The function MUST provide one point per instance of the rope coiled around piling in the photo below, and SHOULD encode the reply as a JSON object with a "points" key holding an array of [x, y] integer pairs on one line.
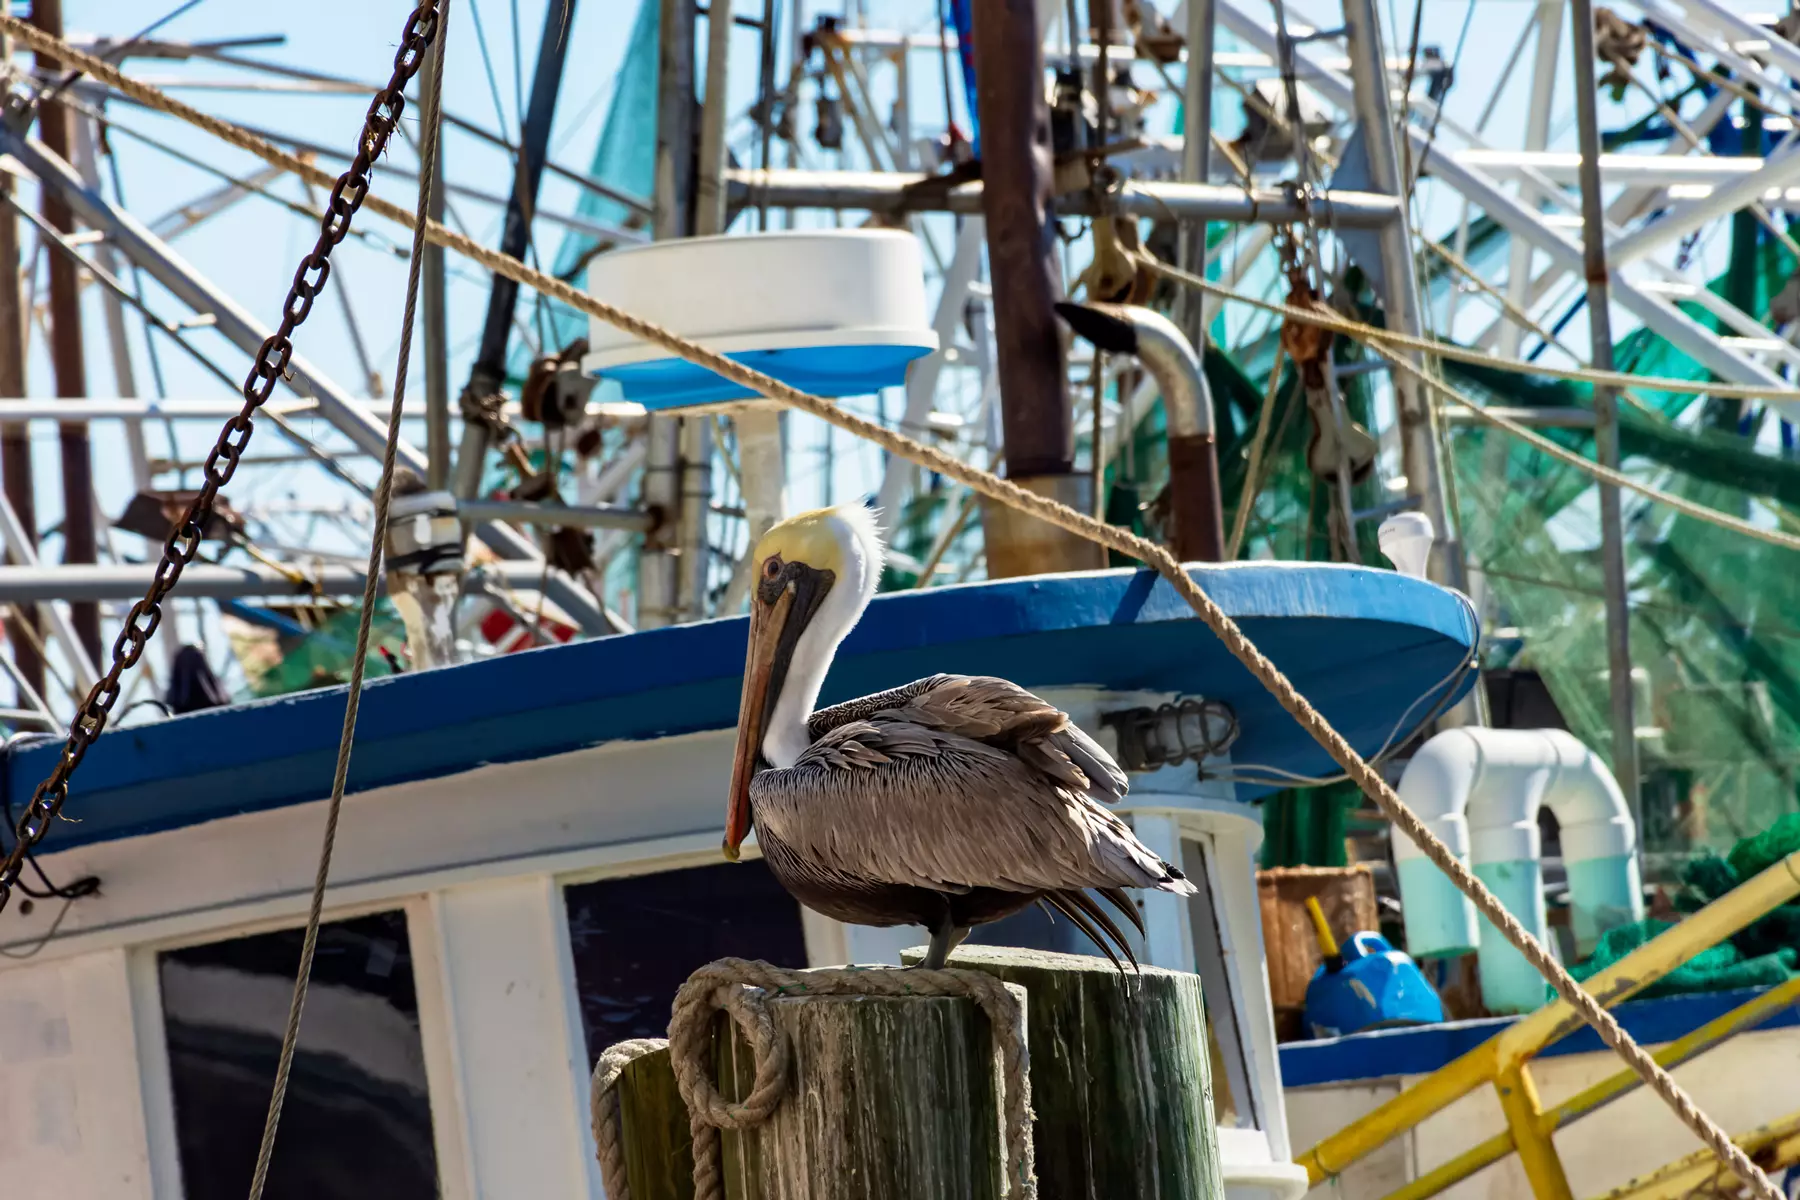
{"points": [[742, 989]]}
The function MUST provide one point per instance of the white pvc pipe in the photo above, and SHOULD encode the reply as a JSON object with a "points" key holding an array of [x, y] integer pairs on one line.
{"points": [[1480, 790]]}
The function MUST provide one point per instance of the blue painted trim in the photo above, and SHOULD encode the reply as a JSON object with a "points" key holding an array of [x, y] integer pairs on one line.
{"points": [[833, 371], [1385, 1053], [1361, 644]]}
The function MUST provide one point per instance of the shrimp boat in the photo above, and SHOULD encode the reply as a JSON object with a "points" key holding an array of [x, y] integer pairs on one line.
{"points": [[899, 252]]}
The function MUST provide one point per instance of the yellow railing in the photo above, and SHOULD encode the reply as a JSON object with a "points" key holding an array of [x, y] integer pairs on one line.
{"points": [[1501, 1061]]}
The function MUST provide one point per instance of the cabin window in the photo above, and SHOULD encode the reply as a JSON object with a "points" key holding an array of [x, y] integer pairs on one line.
{"points": [[1233, 1100], [356, 1124], [637, 939]]}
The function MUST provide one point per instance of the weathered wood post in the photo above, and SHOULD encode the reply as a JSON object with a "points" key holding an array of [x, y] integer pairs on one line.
{"points": [[889, 1098], [1121, 1081], [892, 1099], [896, 1097]]}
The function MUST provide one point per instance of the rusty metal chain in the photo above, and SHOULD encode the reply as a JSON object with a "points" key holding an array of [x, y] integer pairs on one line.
{"points": [[268, 369]]}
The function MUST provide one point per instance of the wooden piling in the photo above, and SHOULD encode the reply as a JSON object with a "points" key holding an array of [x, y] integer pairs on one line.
{"points": [[891, 1098], [894, 1098], [659, 1151], [897, 1098], [1121, 1081]]}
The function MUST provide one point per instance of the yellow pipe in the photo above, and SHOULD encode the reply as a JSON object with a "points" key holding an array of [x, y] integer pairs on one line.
{"points": [[1457, 1169], [1524, 1118], [1772, 1147], [1689, 1045], [1447, 1084], [1731, 912], [1700, 1040], [1328, 945], [1644, 966]]}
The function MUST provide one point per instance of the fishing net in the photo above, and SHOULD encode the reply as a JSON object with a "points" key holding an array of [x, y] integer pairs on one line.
{"points": [[281, 656], [1761, 954], [1713, 636], [1718, 968]]}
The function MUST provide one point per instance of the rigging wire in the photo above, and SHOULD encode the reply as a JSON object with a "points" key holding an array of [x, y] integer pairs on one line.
{"points": [[487, 66], [371, 589]]}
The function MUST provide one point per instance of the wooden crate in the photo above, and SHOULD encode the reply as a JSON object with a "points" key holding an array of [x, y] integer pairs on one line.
{"points": [[1347, 894]]}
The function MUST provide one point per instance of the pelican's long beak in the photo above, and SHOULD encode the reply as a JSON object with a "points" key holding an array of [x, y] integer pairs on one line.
{"points": [[765, 666]]}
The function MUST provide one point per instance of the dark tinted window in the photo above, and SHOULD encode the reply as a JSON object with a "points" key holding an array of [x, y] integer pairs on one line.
{"points": [[357, 1122], [636, 940]]}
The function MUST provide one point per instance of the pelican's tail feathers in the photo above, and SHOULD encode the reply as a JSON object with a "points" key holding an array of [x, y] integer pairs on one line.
{"points": [[1098, 915], [1061, 903], [1124, 903], [1174, 881]]}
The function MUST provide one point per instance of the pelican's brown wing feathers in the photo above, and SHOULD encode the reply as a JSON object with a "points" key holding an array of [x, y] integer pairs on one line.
{"points": [[995, 712], [904, 803]]}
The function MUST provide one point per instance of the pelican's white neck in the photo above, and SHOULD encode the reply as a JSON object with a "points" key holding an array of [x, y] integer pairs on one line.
{"points": [[784, 736]]}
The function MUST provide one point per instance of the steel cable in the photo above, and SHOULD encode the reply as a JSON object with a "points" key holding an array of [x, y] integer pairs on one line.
{"points": [[438, 11]]}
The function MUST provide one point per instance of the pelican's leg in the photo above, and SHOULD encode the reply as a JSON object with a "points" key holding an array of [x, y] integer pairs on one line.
{"points": [[945, 938]]}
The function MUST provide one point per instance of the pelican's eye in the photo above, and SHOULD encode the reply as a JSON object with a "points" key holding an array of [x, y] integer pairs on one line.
{"points": [[772, 567]]}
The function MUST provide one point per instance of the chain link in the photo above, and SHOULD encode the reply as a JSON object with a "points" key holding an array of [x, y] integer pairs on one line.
{"points": [[270, 365]]}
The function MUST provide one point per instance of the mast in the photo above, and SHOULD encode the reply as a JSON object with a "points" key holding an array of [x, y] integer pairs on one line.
{"points": [[66, 354], [1017, 202]]}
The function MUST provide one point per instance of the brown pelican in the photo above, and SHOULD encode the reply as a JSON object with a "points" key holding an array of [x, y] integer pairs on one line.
{"points": [[948, 803]]}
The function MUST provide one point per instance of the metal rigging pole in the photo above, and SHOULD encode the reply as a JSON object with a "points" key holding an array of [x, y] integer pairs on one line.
{"points": [[1606, 416], [1196, 154], [15, 440], [434, 307], [489, 372], [659, 590], [66, 356]]}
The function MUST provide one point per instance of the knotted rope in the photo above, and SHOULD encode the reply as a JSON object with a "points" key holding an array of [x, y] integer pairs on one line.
{"points": [[742, 989]]}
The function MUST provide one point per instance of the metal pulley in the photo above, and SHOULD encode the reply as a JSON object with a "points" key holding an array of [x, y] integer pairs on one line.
{"points": [[1117, 274], [1268, 129], [556, 392], [1336, 442], [1618, 43]]}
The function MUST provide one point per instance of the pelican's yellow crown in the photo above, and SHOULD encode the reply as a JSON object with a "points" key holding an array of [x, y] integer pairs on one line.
{"points": [[818, 538]]}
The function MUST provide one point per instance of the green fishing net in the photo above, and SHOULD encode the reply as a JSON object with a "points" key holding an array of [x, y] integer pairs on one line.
{"points": [[1720, 968], [1761, 954]]}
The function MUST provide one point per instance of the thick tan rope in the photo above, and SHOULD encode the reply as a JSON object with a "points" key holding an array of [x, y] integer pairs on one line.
{"points": [[1604, 474], [1082, 525], [1481, 358], [743, 988], [603, 1108], [1380, 342]]}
